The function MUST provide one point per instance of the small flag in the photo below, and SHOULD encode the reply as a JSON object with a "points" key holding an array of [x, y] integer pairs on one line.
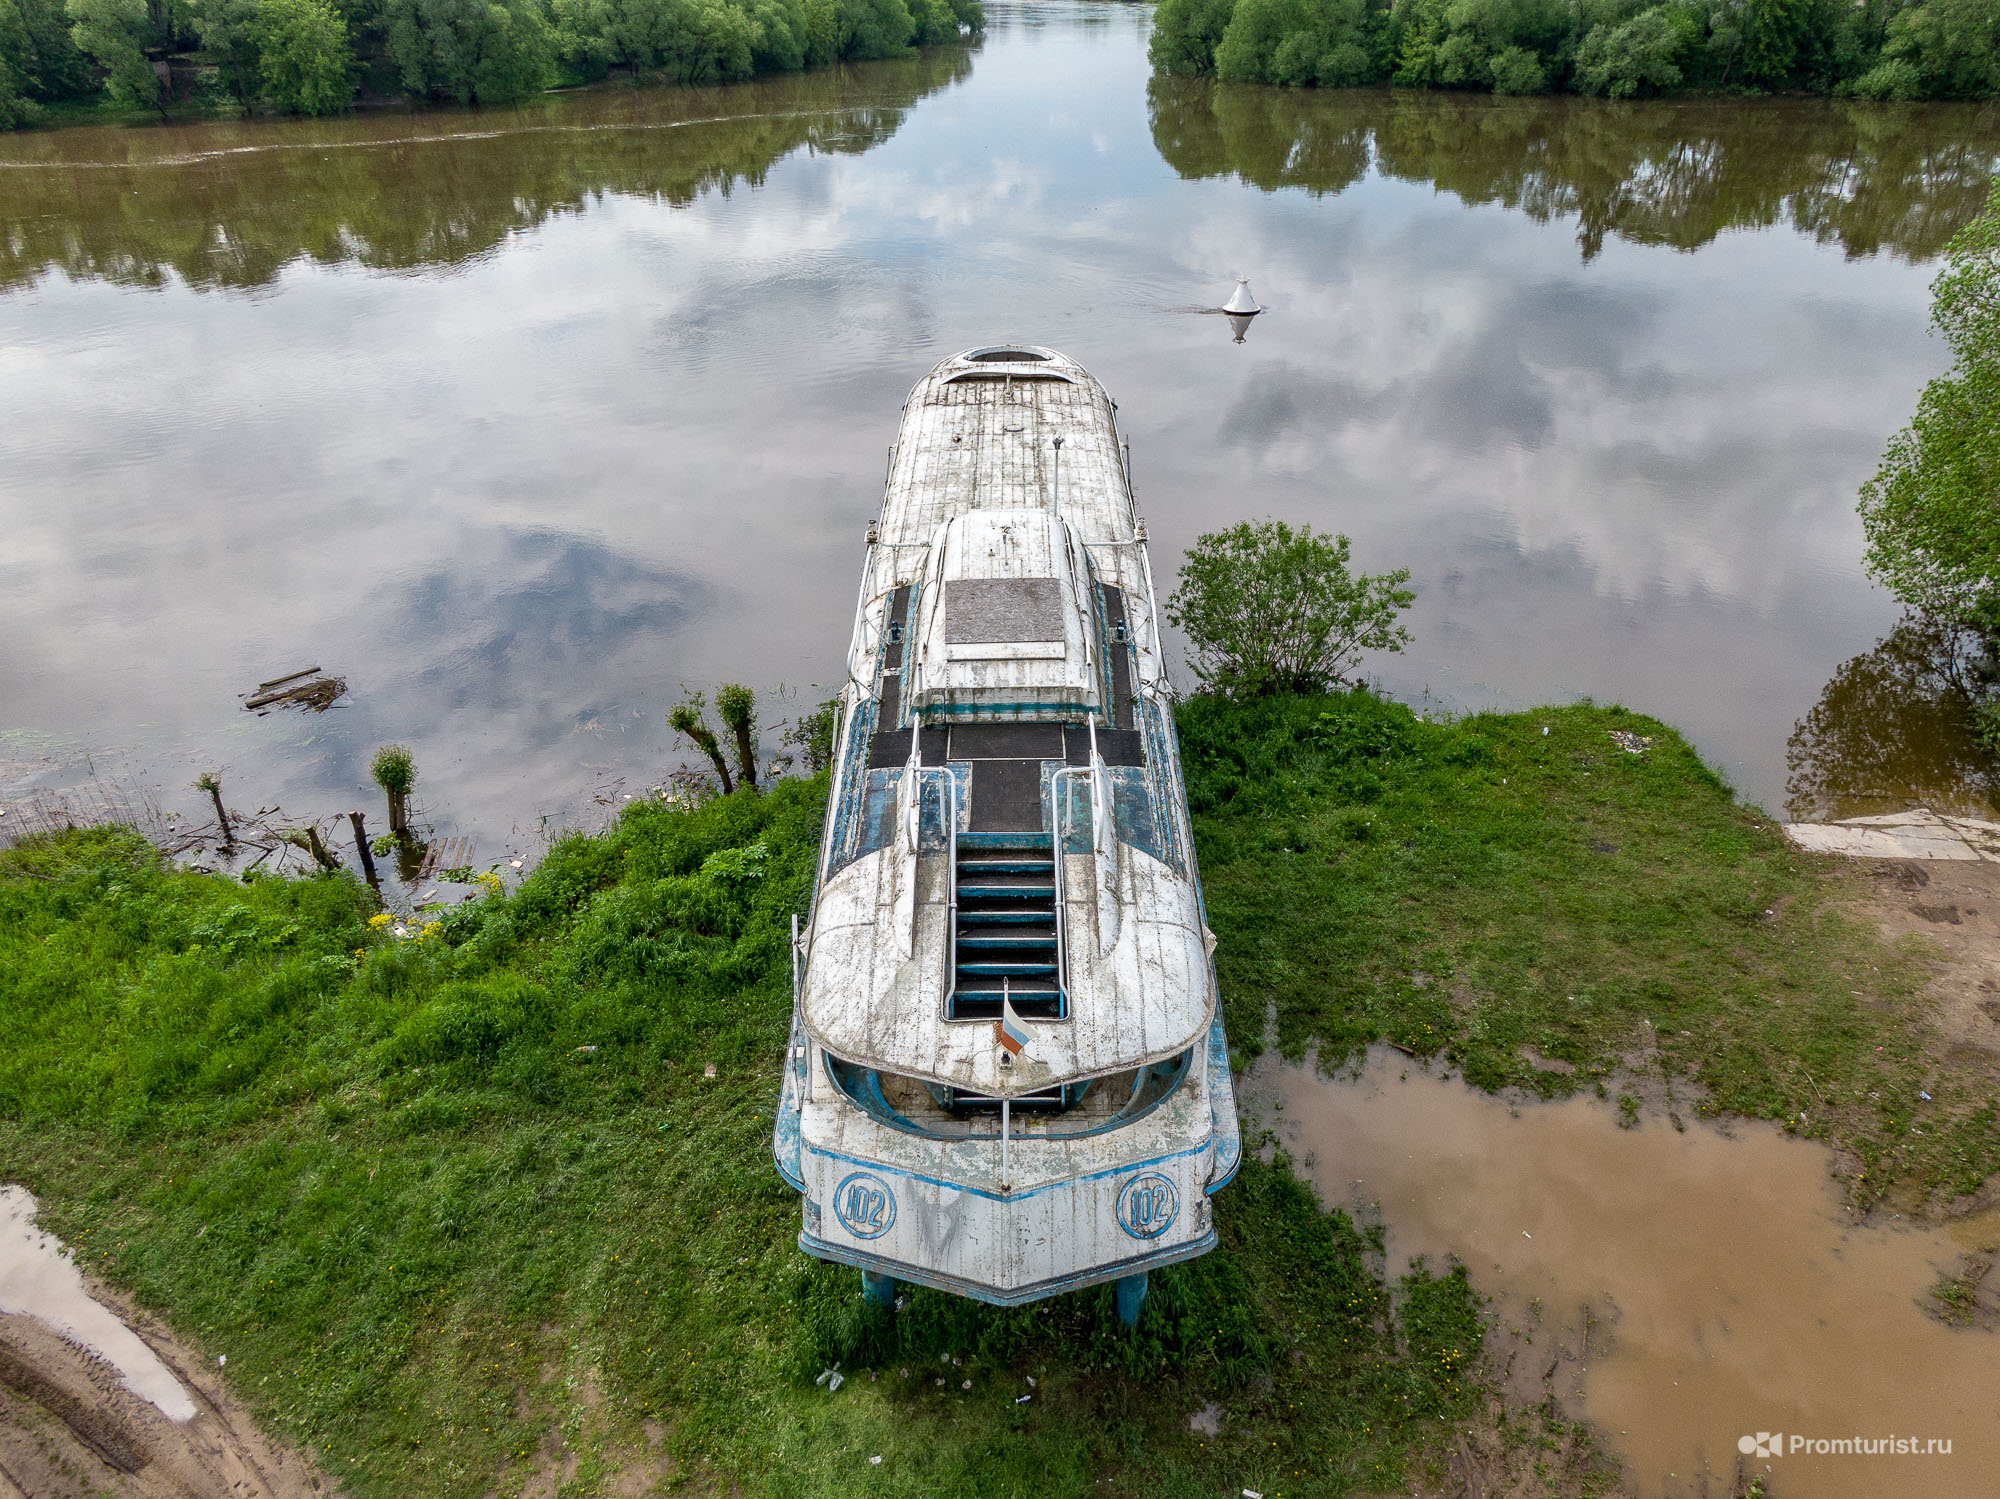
{"points": [[1011, 1031]]}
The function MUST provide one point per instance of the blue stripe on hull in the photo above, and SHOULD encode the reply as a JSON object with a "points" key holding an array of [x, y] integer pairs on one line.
{"points": [[958, 1186]]}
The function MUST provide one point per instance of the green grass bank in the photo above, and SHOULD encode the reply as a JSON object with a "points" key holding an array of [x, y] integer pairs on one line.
{"points": [[1569, 886], [466, 1215]]}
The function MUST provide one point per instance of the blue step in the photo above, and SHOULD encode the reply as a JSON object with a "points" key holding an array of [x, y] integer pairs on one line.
{"points": [[1004, 918], [970, 939], [1010, 970], [1047, 892], [1022, 841]]}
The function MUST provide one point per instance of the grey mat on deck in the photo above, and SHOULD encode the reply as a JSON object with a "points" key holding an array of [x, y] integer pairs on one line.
{"points": [[1006, 796], [1006, 741]]}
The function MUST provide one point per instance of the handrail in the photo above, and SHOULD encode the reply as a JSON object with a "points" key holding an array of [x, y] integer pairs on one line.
{"points": [[913, 791], [916, 773], [857, 642], [861, 603], [950, 885], [1060, 793]]}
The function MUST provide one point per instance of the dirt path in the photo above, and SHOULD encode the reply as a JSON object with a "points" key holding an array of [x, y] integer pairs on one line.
{"points": [[1955, 904], [74, 1424]]}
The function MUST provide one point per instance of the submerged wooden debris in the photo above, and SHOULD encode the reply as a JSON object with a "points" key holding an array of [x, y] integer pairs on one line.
{"points": [[444, 855], [308, 689]]}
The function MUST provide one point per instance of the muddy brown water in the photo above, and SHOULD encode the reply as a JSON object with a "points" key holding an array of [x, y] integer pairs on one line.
{"points": [[519, 420], [1679, 1290]]}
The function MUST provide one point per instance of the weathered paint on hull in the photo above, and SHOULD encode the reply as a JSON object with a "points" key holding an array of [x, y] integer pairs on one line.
{"points": [[1006, 735]]}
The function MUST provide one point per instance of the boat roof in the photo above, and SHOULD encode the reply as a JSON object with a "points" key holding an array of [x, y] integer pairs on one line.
{"points": [[1004, 572]]}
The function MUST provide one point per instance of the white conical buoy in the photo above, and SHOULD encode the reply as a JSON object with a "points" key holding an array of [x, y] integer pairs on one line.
{"points": [[1241, 302]]}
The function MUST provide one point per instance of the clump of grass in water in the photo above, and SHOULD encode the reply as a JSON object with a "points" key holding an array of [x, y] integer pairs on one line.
{"points": [[737, 707], [394, 769]]}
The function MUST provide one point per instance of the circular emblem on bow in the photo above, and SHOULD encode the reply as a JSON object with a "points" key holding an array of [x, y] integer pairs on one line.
{"points": [[1148, 1205], [864, 1205]]}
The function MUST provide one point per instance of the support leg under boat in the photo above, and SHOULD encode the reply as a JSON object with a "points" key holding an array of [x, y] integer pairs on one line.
{"points": [[878, 1290], [1131, 1296]]}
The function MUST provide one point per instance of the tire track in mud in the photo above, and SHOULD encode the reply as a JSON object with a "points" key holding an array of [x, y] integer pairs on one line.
{"points": [[76, 1423]]}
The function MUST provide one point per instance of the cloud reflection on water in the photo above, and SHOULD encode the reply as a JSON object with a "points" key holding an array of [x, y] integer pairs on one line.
{"points": [[547, 422]]}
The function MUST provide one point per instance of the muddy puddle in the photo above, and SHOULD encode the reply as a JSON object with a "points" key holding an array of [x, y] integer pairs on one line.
{"points": [[1680, 1291], [97, 1399]]}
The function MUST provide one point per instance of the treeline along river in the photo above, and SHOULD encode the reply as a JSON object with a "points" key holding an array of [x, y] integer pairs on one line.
{"points": [[521, 419]]}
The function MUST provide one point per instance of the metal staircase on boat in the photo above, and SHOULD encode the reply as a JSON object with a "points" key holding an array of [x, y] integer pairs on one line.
{"points": [[1004, 930]]}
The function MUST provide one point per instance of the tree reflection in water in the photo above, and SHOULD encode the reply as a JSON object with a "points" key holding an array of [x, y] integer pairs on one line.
{"points": [[1869, 177], [230, 205], [1894, 729]]}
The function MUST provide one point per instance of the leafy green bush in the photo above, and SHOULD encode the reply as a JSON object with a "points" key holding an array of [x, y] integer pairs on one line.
{"points": [[472, 51], [1516, 70], [114, 34], [305, 66], [1943, 49], [1322, 42], [1269, 610], [1186, 34], [1632, 58]]}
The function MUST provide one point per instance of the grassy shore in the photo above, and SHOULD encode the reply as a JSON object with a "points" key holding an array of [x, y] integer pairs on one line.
{"points": [[464, 1211], [1567, 898], [462, 1208]]}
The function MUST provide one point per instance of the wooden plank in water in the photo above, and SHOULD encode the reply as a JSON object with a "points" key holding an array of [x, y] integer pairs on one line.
{"points": [[445, 853], [288, 677]]}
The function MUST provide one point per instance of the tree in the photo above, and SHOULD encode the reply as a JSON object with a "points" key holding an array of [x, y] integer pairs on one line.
{"points": [[1298, 42], [38, 53], [690, 717], [303, 57], [1932, 512], [1774, 32], [1634, 57], [1186, 34], [114, 34], [1268, 609], [474, 51], [16, 108], [935, 22], [872, 28], [227, 29], [1940, 49], [737, 705]]}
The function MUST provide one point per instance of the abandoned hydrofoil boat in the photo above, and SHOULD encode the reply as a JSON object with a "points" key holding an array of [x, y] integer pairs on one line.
{"points": [[1008, 1076]]}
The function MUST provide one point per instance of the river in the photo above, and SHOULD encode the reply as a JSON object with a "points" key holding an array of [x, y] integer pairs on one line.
{"points": [[520, 421]]}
